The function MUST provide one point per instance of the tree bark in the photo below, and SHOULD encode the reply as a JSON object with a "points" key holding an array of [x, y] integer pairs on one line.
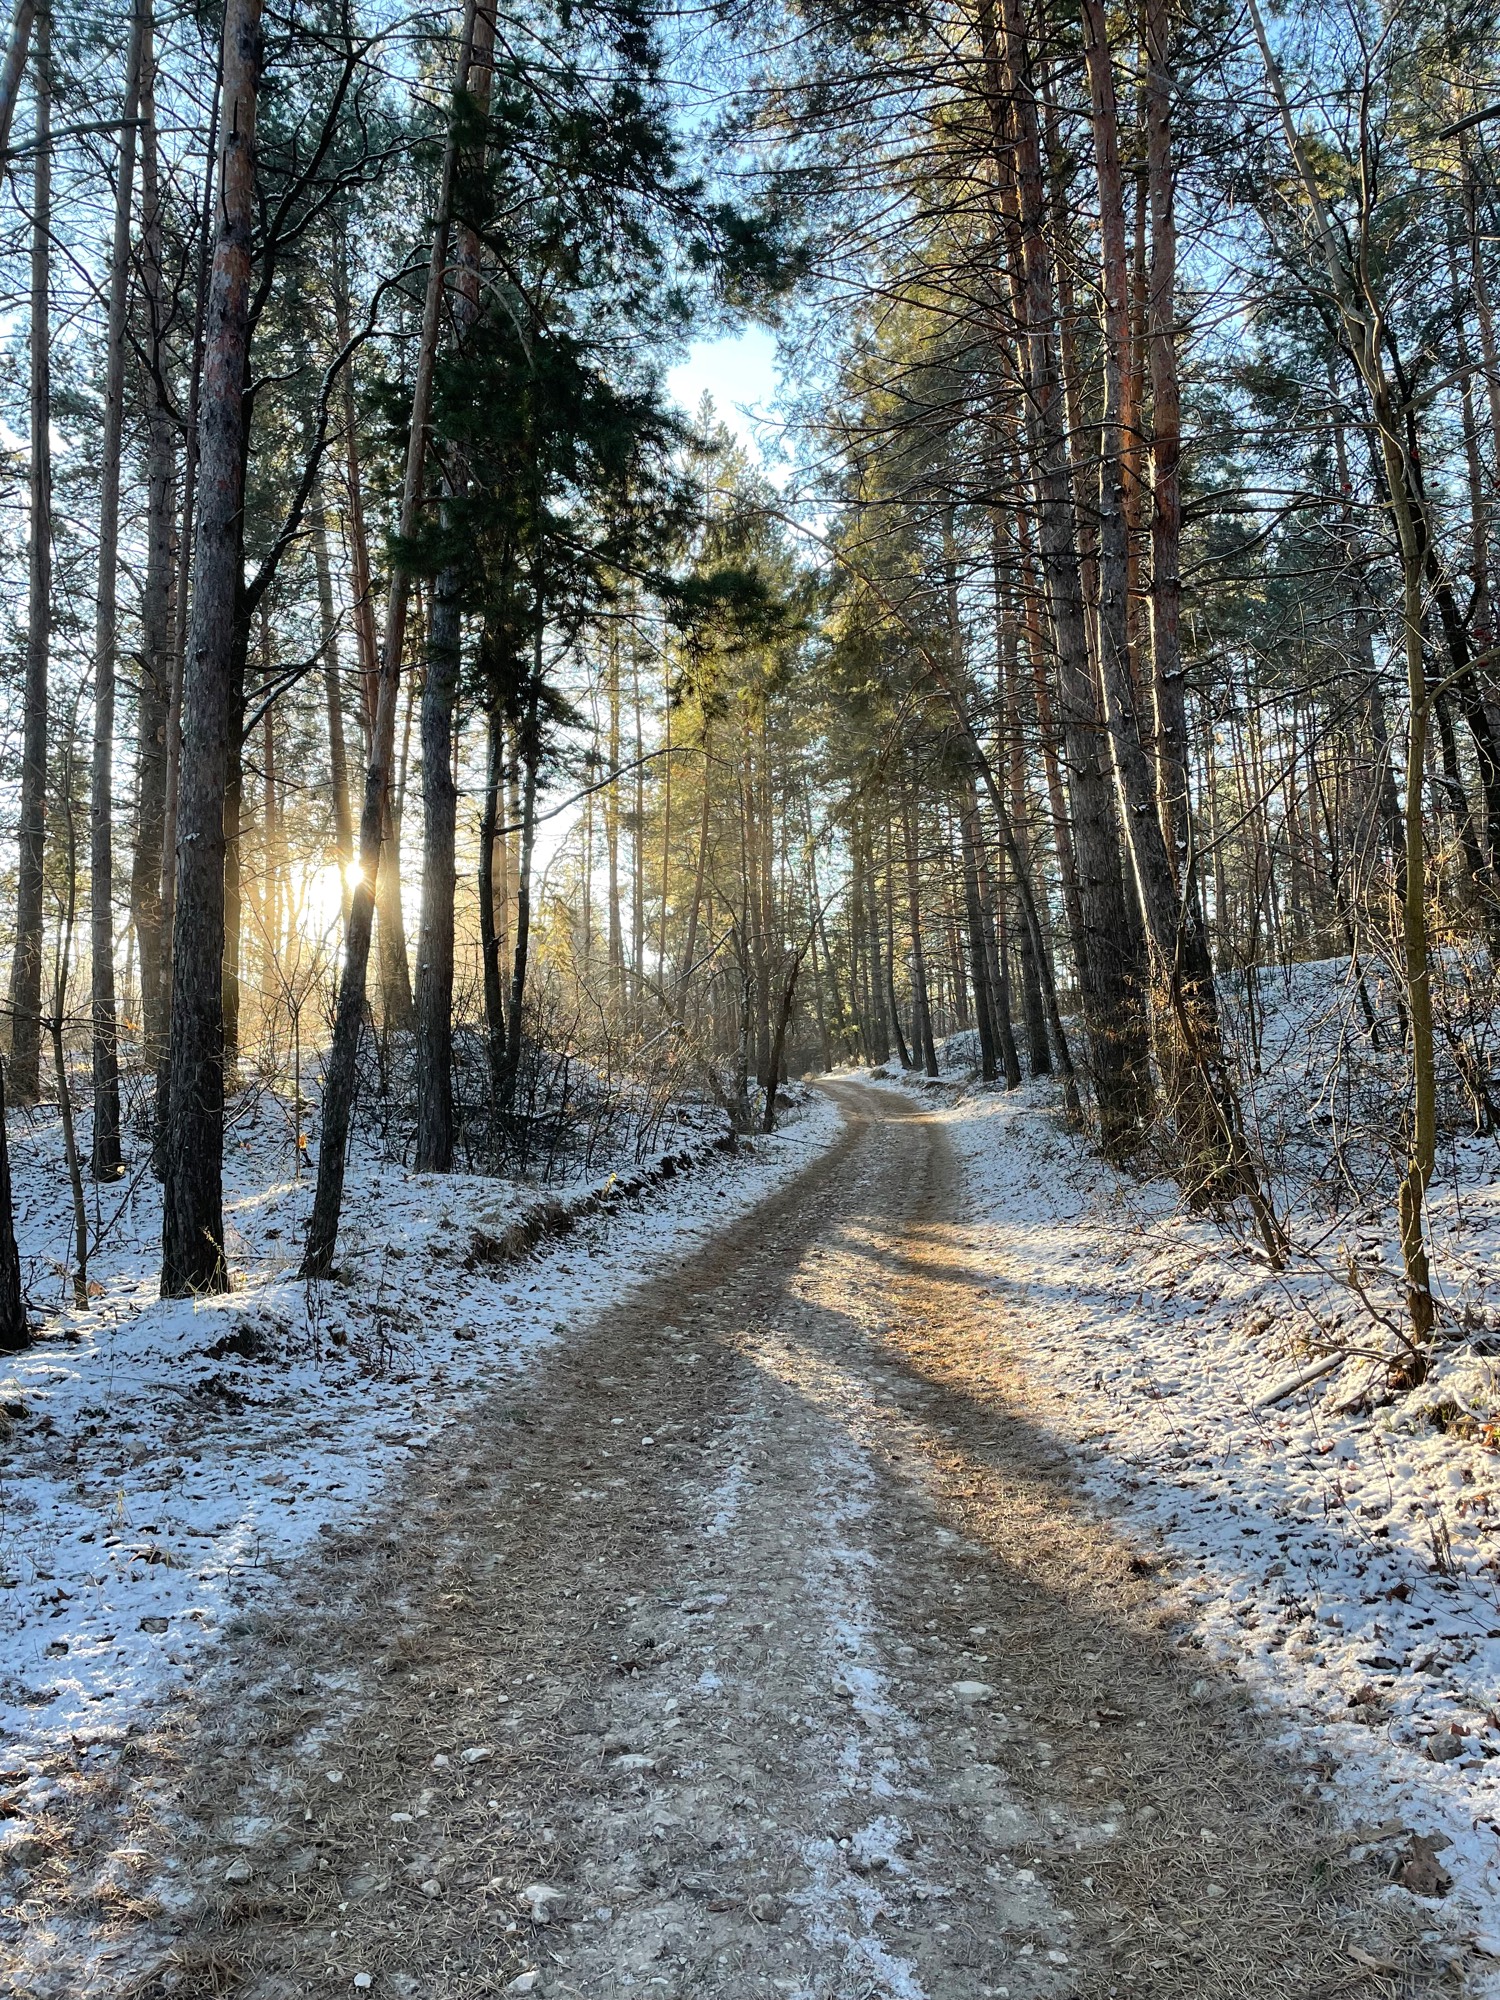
{"points": [[339, 1083], [333, 695], [185, 551], [15, 1323], [15, 66], [192, 1209], [1113, 1008], [434, 991], [1179, 947], [530, 749], [106, 1162], [921, 1008], [434, 985], [489, 929], [26, 968], [979, 960], [155, 687]]}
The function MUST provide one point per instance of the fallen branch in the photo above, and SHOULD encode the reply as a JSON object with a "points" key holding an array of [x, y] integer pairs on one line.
{"points": [[1326, 1365]]}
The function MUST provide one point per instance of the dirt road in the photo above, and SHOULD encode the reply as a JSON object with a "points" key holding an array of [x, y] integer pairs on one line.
{"points": [[759, 1645]]}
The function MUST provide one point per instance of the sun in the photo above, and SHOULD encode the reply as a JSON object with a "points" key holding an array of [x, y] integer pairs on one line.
{"points": [[322, 900]]}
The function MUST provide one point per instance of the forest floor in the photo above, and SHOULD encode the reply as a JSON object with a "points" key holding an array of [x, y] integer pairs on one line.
{"points": [[767, 1635]]}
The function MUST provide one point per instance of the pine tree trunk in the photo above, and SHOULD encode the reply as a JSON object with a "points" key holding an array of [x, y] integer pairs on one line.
{"points": [[333, 695], [979, 963], [15, 1324], [15, 65], [880, 1017], [339, 1082], [435, 1134], [1173, 793], [1179, 948], [185, 550], [700, 875], [921, 1006], [489, 930], [26, 968], [530, 747], [156, 655], [192, 1210], [1033, 1007], [434, 986], [106, 1161], [234, 871], [616, 933], [1114, 1010], [997, 951]]}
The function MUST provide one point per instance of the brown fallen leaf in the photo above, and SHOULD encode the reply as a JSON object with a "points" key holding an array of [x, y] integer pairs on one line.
{"points": [[1420, 1870]]}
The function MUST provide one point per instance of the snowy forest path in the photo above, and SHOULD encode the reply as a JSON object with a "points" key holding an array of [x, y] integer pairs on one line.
{"points": [[752, 1645]]}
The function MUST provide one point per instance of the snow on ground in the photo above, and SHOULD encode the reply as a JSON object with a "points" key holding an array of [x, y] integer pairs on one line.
{"points": [[165, 1460], [1344, 1561]]}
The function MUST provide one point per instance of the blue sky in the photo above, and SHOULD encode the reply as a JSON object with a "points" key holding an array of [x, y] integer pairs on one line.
{"points": [[738, 371]]}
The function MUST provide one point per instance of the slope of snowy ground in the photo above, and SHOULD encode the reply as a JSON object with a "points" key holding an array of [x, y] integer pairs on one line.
{"points": [[1337, 1551], [164, 1461]]}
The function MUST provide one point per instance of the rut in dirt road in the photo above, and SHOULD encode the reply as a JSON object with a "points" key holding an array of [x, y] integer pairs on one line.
{"points": [[743, 1653]]}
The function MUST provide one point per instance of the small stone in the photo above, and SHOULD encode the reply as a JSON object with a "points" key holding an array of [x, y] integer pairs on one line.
{"points": [[765, 1909], [525, 1982], [646, 1443], [431, 1888], [440, 1762], [634, 1761], [540, 1900], [1443, 1749], [971, 1693], [363, 1982], [238, 1871], [480, 1754], [154, 1624], [334, 1777], [1057, 1958]]}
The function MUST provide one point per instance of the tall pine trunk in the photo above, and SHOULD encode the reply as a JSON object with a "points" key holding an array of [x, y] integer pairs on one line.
{"points": [[192, 1208], [105, 1157], [15, 1323], [434, 992], [1181, 969], [529, 742], [333, 697], [375, 817], [26, 968], [155, 698], [1114, 1010], [185, 549], [489, 926]]}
